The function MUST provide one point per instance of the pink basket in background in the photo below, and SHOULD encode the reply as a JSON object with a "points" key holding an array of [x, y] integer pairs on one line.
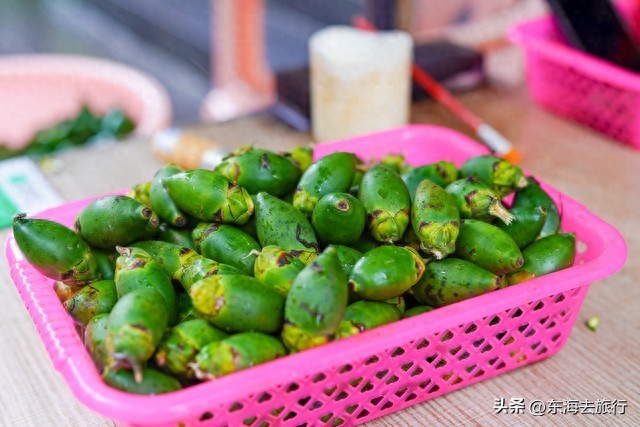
{"points": [[363, 377], [40, 90], [580, 86]]}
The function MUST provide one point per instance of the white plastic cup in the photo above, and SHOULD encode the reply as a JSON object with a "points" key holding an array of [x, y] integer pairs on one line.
{"points": [[360, 81]]}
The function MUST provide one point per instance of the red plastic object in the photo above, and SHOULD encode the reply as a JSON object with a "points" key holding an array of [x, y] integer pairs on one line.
{"points": [[367, 376], [579, 86]]}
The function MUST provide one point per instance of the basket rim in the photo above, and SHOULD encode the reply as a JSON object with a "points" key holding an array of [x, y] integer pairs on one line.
{"points": [[597, 68], [69, 356]]}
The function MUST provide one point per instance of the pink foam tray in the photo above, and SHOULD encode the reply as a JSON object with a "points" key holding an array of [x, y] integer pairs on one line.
{"points": [[40, 90], [366, 376]]}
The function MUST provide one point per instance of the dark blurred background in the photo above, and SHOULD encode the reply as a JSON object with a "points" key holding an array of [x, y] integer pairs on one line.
{"points": [[169, 39]]}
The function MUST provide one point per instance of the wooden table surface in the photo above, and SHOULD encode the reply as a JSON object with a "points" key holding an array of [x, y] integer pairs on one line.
{"points": [[598, 172]]}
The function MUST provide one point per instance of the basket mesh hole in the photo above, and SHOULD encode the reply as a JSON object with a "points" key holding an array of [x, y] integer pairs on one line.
{"points": [[319, 377], [433, 389], [464, 355], [304, 400], [264, 397], [392, 379], [292, 387], [400, 392], [398, 352], [264, 424], [367, 387], [479, 373], [362, 414], [431, 358], [372, 360], [447, 336], [406, 366], [351, 409], [516, 313], [417, 371], [556, 337], [455, 350], [457, 380], [529, 333], [544, 319], [337, 422], [542, 350], [276, 412], [470, 368], [376, 400], [447, 375], [535, 345], [471, 328], [501, 335], [422, 344], [492, 361], [494, 321], [317, 404], [249, 421], [441, 363], [342, 395], [388, 404], [290, 415], [326, 417], [329, 391], [205, 416], [424, 384], [551, 324], [539, 306], [411, 397], [236, 407], [486, 348], [501, 365], [478, 343], [522, 328], [381, 374], [508, 341], [559, 298], [346, 368], [355, 382]]}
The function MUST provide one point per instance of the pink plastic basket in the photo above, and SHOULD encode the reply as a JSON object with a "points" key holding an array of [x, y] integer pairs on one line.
{"points": [[378, 372], [579, 86]]}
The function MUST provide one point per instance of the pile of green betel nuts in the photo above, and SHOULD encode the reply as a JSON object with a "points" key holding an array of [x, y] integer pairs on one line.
{"points": [[200, 273]]}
